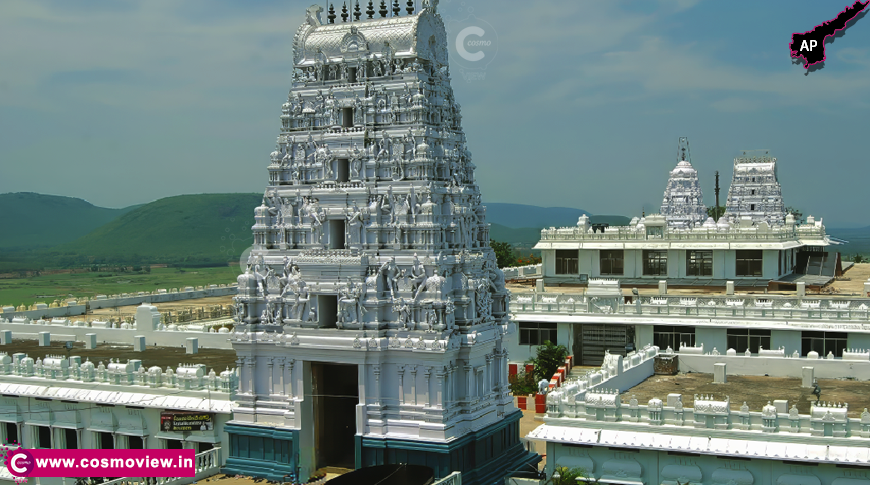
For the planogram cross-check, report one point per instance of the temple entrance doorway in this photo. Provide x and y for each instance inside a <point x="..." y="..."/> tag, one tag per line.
<point x="336" y="394"/>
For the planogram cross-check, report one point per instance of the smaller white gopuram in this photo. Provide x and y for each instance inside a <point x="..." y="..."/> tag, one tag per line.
<point x="683" y="202"/>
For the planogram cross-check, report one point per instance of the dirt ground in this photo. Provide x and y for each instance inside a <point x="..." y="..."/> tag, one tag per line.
<point x="852" y="281"/>
<point x="756" y="391"/>
<point x="217" y="359"/>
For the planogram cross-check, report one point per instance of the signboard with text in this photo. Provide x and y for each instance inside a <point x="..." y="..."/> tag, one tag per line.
<point x="170" y="421"/>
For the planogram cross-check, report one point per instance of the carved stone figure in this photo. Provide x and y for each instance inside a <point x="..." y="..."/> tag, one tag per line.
<point x="391" y="275"/>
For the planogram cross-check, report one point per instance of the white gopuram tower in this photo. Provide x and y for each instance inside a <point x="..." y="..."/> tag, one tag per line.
<point x="371" y="317"/>
<point x="755" y="191"/>
<point x="683" y="202"/>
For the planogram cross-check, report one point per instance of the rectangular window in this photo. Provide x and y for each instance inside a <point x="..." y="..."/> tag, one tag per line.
<point x="71" y="439"/>
<point x="535" y="333"/>
<point x="611" y="262"/>
<point x="347" y="117"/>
<point x="173" y="444"/>
<point x="566" y="261"/>
<point x="43" y="437"/>
<point x="336" y="234"/>
<point x="823" y="343"/>
<point x="749" y="262"/>
<point x="135" y="443"/>
<point x="699" y="263"/>
<point x="11" y="433"/>
<point x="741" y="339"/>
<point x="655" y="263"/>
<point x="342" y="172"/>
<point x="105" y="441"/>
<point x="674" y="337"/>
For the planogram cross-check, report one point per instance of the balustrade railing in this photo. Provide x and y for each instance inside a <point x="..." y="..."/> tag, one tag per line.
<point x="740" y="306"/>
<point x="569" y="234"/>
<point x="454" y="478"/>
<point x="206" y="464"/>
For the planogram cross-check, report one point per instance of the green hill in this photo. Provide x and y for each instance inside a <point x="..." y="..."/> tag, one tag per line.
<point x="194" y="230"/>
<point x="522" y="235"/>
<point x="189" y="230"/>
<point x="37" y="220"/>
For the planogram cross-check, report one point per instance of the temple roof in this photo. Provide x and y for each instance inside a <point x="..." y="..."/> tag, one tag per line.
<point x="419" y="35"/>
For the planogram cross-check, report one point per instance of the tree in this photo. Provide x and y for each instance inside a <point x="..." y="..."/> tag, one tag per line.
<point x="716" y="216"/>
<point x="798" y="214"/>
<point x="548" y="358"/>
<point x="522" y="384"/>
<point x="563" y="475"/>
<point x="859" y="259"/>
<point x="504" y="253"/>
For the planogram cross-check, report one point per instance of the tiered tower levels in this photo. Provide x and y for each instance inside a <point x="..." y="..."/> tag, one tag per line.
<point x="755" y="191"/>
<point x="371" y="248"/>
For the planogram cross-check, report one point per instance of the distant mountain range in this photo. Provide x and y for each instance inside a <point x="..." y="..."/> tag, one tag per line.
<point x="36" y="220"/>
<point x="211" y="229"/>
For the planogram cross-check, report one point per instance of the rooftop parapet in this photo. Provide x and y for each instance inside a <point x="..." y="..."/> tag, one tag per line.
<point x="810" y="233"/>
<point x="62" y="369"/>
<point x="816" y="311"/>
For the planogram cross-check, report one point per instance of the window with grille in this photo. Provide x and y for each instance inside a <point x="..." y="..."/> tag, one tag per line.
<point x="655" y="263"/>
<point x="741" y="339"/>
<point x="611" y="262"/>
<point x="536" y="333"/>
<point x="823" y="342"/>
<point x="673" y="337"/>
<point x="749" y="262"/>
<point x="699" y="263"/>
<point x="566" y="261"/>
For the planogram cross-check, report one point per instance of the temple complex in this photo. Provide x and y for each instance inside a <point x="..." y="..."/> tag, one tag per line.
<point x="753" y="244"/>
<point x="372" y="314"/>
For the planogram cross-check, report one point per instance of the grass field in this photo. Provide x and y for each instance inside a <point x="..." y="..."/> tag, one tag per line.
<point x="46" y="289"/>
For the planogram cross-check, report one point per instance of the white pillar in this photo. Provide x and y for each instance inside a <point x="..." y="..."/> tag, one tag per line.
<point x="139" y="343"/>
<point x="44" y="339"/>
<point x="719" y="376"/>
<point x="191" y="345"/>
<point x="5" y="337"/>
<point x="414" y="384"/>
<point x="270" y="365"/>
<point x="440" y="379"/>
<point x="401" y="369"/>
<point x="427" y="375"/>
<point x="663" y="287"/>
<point x="807" y="376"/>
<point x="377" y="372"/>
<point x="282" y="381"/>
<point x="729" y="287"/>
<point x="290" y="378"/>
<point x="469" y="382"/>
<point x="801" y="288"/>
<point x="90" y="341"/>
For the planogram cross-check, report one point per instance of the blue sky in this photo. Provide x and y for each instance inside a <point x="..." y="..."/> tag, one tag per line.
<point x="122" y="102"/>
